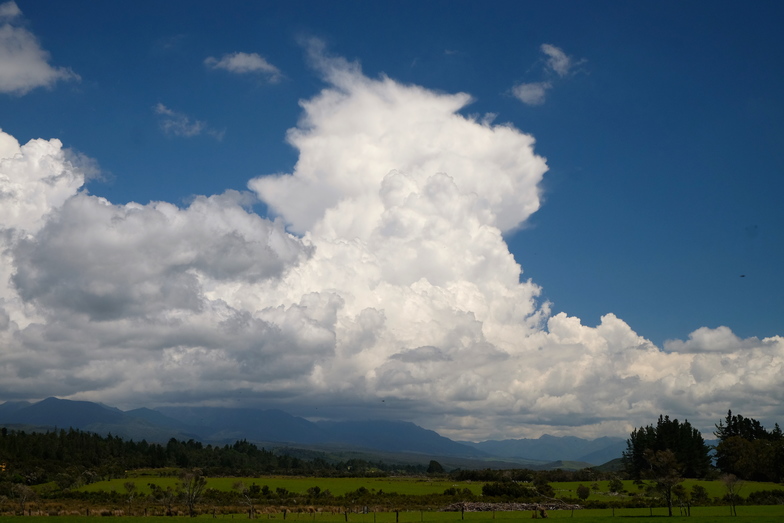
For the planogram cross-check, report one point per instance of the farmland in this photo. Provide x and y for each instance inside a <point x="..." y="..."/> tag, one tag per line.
<point x="413" y="499"/>
<point x="409" y="486"/>
<point x="756" y="514"/>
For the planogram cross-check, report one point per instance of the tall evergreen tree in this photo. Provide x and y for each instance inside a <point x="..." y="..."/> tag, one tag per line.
<point x="748" y="451"/>
<point x="683" y="440"/>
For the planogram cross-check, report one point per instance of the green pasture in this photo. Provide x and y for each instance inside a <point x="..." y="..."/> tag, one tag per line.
<point x="406" y="486"/>
<point x="337" y="486"/>
<point x="759" y="514"/>
<point x="715" y="489"/>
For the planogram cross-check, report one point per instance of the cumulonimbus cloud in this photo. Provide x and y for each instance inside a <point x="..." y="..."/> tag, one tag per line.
<point x="384" y="276"/>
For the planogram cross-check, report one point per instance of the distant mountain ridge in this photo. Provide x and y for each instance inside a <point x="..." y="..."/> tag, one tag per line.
<point x="554" y="448"/>
<point x="277" y="428"/>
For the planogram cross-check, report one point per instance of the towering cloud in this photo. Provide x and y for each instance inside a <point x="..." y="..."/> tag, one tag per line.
<point x="384" y="276"/>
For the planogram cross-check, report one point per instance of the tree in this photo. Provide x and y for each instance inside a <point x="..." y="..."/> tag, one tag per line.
<point x="583" y="492"/>
<point x="130" y="493"/>
<point x="163" y="496"/>
<point x="682" y="497"/>
<point x="665" y="471"/>
<point x="682" y="439"/>
<point x="749" y="451"/>
<point x="542" y="487"/>
<point x="192" y="485"/>
<point x="615" y="485"/>
<point x="699" y="495"/>
<point x="733" y="485"/>
<point x="509" y="490"/>
<point x="23" y="494"/>
<point x="435" y="467"/>
<point x="245" y="494"/>
<point x="747" y="428"/>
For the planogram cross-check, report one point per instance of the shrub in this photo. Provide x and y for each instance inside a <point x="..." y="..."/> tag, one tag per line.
<point x="766" y="497"/>
<point x="508" y="489"/>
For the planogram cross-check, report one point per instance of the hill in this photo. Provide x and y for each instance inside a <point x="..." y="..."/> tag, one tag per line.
<point x="273" y="428"/>
<point x="553" y="448"/>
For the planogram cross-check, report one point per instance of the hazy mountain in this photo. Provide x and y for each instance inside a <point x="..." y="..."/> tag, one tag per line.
<point x="12" y="406"/>
<point x="397" y="436"/>
<point x="158" y="419"/>
<point x="553" y="448"/>
<point x="88" y="416"/>
<point x="613" y="450"/>
<point x="277" y="428"/>
<point x="228" y="424"/>
<point x="66" y="413"/>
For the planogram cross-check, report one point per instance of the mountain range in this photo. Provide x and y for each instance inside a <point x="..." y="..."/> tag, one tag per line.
<point x="372" y="439"/>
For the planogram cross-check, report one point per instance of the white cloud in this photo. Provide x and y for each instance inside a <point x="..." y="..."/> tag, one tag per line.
<point x="34" y="179"/>
<point x="23" y="64"/>
<point x="704" y="339"/>
<point x="9" y="11"/>
<point x="179" y="124"/>
<point x="399" y="287"/>
<point x="557" y="61"/>
<point x="244" y="63"/>
<point x="531" y="94"/>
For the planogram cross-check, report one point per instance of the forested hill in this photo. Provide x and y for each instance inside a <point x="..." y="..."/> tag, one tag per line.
<point x="74" y="457"/>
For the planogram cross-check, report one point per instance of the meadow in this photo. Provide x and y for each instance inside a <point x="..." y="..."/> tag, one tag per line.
<point x="758" y="514"/>
<point x="337" y="486"/>
<point x="413" y="486"/>
<point x="715" y="489"/>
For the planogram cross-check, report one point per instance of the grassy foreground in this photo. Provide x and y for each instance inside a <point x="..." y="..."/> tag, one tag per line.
<point x="761" y="514"/>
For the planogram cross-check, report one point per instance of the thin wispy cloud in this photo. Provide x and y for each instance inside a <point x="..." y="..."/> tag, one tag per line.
<point x="24" y="65"/>
<point x="533" y="93"/>
<point x="245" y="63"/>
<point x="174" y="123"/>
<point x="557" y="63"/>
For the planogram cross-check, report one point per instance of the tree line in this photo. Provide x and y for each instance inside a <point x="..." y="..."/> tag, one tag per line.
<point x="72" y="458"/>
<point x="745" y="449"/>
<point x="670" y="451"/>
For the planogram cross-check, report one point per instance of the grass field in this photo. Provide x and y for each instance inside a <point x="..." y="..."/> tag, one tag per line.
<point x="405" y="486"/>
<point x="766" y="514"/>
<point x="715" y="489"/>
<point x="337" y="486"/>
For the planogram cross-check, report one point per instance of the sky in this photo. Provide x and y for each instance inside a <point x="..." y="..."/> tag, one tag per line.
<point x="496" y="220"/>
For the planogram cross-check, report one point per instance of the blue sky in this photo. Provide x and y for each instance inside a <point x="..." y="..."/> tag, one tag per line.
<point x="661" y="125"/>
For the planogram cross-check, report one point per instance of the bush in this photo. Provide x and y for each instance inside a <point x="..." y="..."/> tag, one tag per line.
<point x="508" y="490"/>
<point x="615" y="485"/>
<point x="766" y="497"/>
<point x="699" y="495"/>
